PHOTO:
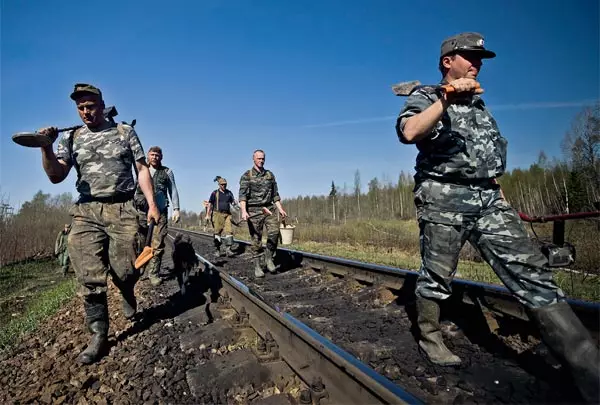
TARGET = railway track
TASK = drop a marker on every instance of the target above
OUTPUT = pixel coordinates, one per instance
(366, 311)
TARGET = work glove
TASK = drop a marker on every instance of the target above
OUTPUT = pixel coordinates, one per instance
(175, 216)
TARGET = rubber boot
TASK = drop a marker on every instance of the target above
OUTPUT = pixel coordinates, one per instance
(129, 302)
(571, 343)
(228, 244)
(269, 261)
(96, 311)
(217, 242)
(154, 270)
(432, 342)
(65, 270)
(258, 271)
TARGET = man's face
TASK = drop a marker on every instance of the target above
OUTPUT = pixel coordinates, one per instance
(259, 159)
(223, 186)
(463, 65)
(154, 158)
(90, 109)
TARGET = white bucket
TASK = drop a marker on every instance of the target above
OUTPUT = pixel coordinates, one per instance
(287, 234)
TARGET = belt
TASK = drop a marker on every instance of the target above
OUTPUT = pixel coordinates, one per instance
(483, 183)
(113, 199)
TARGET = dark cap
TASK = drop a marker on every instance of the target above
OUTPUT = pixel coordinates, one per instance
(81, 89)
(466, 42)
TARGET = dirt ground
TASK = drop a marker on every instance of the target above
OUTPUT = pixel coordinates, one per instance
(167, 355)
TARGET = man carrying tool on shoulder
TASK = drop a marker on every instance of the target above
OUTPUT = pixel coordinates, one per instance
(461, 154)
(104, 229)
(259, 197)
(163, 181)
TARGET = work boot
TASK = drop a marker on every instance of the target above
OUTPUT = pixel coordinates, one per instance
(571, 343)
(228, 245)
(258, 271)
(96, 310)
(431, 341)
(269, 261)
(65, 270)
(217, 242)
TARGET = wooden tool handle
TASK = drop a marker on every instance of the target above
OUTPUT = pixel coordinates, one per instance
(450, 89)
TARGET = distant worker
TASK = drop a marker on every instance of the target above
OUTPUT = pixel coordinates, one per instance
(163, 180)
(260, 205)
(461, 154)
(60, 249)
(219, 210)
(104, 229)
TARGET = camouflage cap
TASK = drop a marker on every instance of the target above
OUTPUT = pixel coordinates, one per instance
(84, 88)
(222, 180)
(466, 42)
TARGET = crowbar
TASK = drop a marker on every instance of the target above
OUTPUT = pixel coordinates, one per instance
(148, 251)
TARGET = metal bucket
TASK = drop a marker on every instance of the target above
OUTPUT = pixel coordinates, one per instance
(287, 234)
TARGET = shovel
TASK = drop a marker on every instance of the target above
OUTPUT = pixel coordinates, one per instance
(148, 251)
(35, 139)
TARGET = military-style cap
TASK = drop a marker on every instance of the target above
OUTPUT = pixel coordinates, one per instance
(222, 181)
(83, 88)
(466, 42)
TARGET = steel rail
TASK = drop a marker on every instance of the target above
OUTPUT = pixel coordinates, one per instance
(346, 380)
(496, 299)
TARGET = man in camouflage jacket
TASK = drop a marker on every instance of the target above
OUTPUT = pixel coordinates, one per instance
(163, 181)
(461, 154)
(60, 249)
(260, 205)
(104, 228)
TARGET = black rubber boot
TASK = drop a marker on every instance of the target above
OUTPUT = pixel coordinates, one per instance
(269, 261)
(154, 271)
(129, 302)
(571, 344)
(258, 271)
(96, 311)
(432, 341)
(228, 244)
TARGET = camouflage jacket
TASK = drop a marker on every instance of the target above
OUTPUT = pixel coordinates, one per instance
(465, 145)
(258, 189)
(103, 159)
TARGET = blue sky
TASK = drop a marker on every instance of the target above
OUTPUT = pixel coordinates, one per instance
(307, 81)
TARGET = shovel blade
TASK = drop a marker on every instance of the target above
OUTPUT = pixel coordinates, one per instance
(144, 257)
(31, 139)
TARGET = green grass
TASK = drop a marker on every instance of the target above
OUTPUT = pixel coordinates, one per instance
(31, 292)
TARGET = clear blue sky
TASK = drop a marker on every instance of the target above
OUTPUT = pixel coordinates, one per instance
(308, 81)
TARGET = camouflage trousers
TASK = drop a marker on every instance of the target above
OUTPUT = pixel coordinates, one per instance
(256, 222)
(158, 240)
(449, 215)
(222, 223)
(63, 260)
(103, 241)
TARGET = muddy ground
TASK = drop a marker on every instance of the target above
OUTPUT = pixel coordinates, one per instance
(375, 325)
(167, 355)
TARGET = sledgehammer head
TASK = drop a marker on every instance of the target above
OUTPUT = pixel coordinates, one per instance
(405, 88)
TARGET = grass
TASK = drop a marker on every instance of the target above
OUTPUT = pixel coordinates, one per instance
(31, 292)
